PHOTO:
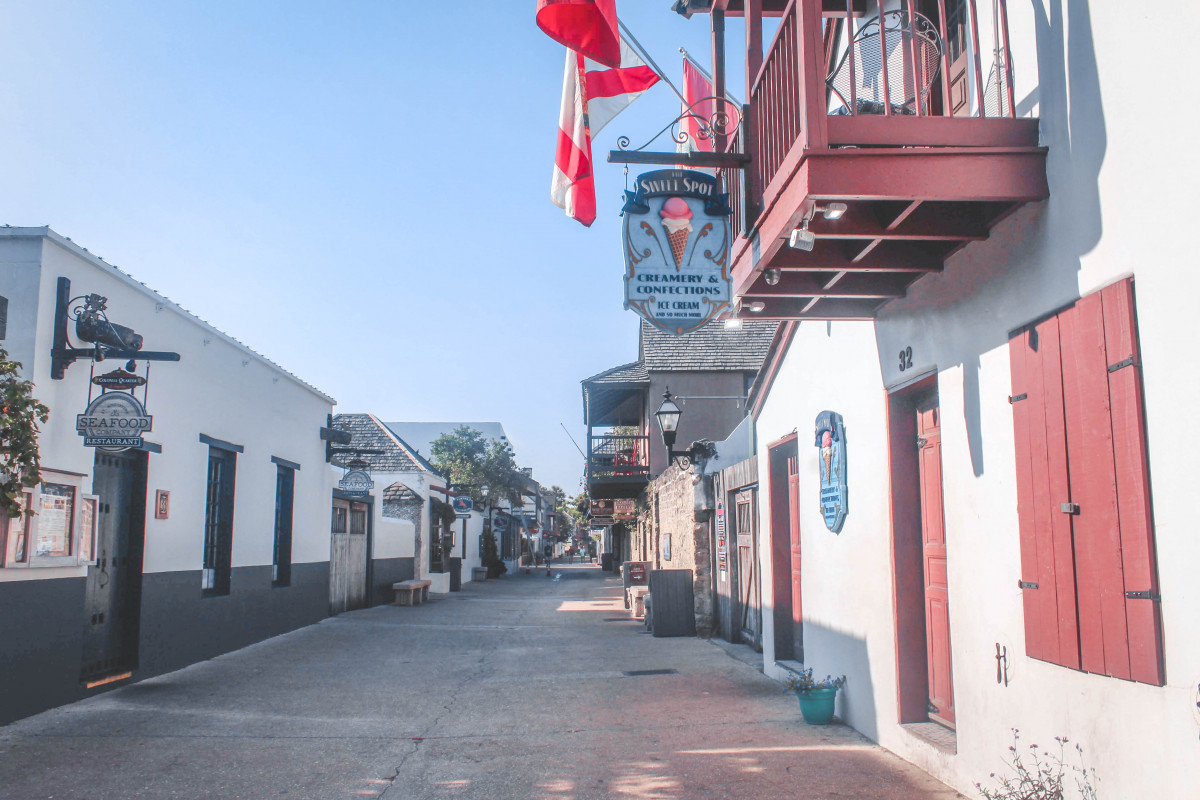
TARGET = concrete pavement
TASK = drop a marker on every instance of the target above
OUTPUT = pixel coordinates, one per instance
(522, 687)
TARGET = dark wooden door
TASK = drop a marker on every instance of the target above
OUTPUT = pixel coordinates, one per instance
(750, 623)
(348, 556)
(793, 469)
(112, 600)
(933, 537)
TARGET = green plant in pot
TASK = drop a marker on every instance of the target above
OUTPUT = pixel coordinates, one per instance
(816, 695)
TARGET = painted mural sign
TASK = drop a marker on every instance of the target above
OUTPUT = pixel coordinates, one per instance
(114, 421)
(676, 238)
(831, 446)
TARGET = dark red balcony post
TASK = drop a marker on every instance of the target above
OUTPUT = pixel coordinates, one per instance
(752, 123)
(810, 57)
(946, 112)
(718, 62)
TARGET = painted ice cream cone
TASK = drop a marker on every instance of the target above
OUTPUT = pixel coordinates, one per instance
(677, 221)
(827, 454)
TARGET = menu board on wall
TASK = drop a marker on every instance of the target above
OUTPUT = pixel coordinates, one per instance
(55, 512)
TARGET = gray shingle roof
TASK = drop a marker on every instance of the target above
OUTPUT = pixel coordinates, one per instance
(369, 433)
(713, 347)
(626, 373)
(399, 493)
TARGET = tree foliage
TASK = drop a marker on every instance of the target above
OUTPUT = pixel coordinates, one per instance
(481, 468)
(20, 414)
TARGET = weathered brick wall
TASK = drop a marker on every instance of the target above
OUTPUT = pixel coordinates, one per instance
(672, 516)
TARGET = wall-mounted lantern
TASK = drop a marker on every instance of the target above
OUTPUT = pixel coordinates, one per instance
(109, 340)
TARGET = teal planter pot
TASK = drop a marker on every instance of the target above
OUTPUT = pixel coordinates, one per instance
(817, 706)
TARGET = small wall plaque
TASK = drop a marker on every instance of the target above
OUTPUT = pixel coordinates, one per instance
(162, 504)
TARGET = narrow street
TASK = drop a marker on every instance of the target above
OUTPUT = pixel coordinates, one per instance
(522, 687)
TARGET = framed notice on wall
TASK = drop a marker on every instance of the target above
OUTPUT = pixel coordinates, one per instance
(162, 504)
(56, 511)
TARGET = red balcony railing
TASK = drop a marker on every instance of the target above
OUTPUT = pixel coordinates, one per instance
(618, 457)
(831, 82)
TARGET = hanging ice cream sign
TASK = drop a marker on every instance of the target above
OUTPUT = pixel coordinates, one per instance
(831, 444)
(676, 238)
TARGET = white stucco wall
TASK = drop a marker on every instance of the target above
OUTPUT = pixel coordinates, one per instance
(1120, 205)
(218, 388)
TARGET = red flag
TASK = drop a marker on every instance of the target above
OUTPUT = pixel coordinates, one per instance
(696, 87)
(585, 26)
(591, 94)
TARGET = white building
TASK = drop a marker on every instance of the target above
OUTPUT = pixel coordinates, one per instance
(211, 535)
(994, 313)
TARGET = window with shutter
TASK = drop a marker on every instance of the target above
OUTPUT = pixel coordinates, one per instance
(1088, 574)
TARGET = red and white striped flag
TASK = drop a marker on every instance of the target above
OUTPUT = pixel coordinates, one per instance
(592, 95)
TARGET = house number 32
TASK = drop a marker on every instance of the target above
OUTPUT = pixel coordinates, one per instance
(906, 359)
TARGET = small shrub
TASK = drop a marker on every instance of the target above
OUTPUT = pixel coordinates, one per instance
(1039, 774)
(803, 683)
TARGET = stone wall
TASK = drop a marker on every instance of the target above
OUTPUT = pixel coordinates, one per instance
(673, 515)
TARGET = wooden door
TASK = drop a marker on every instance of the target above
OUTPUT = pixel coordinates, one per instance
(750, 623)
(933, 537)
(793, 472)
(112, 594)
(348, 556)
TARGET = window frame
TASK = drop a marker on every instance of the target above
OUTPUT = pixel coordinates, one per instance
(281, 559)
(216, 572)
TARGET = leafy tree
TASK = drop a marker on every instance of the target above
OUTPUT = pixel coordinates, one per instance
(481, 468)
(20, 414)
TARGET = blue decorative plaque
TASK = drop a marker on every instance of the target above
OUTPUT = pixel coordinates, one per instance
(831, 445)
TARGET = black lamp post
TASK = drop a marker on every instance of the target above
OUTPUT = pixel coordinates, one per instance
(668, 415)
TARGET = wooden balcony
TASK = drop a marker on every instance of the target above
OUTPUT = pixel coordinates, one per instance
(617, 466)
(919, 140)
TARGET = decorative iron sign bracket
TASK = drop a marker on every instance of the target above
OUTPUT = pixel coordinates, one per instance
(92, 324)
(714, 120)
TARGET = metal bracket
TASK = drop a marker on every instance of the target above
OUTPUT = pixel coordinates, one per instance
(931, 708)
(1147, 595)
(1018, 397)
(921, 442)
(1026, 585)
(1128, 362)
(1069, 508)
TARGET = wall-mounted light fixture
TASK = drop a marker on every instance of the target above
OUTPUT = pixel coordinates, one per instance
(772, 276)
(756, 307)
(832, 210)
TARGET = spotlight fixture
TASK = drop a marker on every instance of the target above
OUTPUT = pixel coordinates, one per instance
(733, 323)
(771, 276)
(832, 210)
(802, 238)
(756, 307)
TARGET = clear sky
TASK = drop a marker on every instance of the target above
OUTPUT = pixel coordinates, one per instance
(357, 190)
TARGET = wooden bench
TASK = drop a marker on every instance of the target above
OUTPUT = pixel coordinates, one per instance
(411, 593)
(479, 573)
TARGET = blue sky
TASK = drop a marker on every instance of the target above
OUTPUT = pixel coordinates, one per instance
(357, 190)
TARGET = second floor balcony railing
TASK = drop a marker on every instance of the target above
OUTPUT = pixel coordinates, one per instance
(618, 457)
(836, 79)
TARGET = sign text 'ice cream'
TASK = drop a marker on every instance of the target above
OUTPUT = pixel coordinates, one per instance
(676, 238)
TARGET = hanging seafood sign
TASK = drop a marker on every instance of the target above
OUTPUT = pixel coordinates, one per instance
(676, 237)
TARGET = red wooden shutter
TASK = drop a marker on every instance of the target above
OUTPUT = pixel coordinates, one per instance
(1098, 571)
(1133, 484)
(1047, 559)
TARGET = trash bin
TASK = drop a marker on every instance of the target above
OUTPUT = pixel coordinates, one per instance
(672, 610)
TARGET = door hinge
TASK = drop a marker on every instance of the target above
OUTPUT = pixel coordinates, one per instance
(1016, 398)
(931, 708)
(1142, 596)
(1026, 585)
(1128, 362)
(1069, 508)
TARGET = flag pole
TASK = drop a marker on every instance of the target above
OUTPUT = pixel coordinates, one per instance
(642, 52)
(708, 77)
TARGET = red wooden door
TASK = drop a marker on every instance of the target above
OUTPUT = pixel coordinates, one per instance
(933, 537)
(793, 470)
